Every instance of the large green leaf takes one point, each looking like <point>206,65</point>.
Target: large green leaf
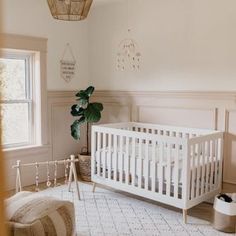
<point>75,128</point>
<point>81,94</point>
<point>83,97</point>
<point>89,90</point>
<point>93,112</point>
<point>98,106</point>
<point>76,110</point>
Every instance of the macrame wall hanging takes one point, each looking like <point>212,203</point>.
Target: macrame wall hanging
<point>67,64</point>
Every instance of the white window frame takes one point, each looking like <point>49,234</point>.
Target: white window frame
<point>29,59</point>
<point>37,49</point>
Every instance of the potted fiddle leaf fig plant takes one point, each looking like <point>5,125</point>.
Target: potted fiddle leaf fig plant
<point>86,113</point>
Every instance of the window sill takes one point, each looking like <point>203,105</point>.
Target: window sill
<point>24,152</point>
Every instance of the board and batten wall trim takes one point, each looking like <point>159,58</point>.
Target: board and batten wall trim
<point>203,109</point>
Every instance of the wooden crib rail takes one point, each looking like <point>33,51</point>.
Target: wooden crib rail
<point>72,171</point>
<point>134,126</point>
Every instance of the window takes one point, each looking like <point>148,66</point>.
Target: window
<point>23,100</point>
<point>17,106</point>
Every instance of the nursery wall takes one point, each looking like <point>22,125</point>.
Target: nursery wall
<point>185,44</point>
<point>188,55</point>
<point>33,18</point>
<point>208,110</point>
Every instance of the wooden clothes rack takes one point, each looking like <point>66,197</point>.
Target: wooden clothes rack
<point>72,172</point>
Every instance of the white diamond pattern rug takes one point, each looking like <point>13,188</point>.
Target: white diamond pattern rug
<point>109,213</point>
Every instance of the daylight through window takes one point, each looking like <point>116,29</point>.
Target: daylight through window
<point>16,99</point>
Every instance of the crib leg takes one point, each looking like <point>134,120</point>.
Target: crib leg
<point>185,212</point>
<point>94,186</point>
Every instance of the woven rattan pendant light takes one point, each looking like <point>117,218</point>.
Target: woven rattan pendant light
<point>69,10</point>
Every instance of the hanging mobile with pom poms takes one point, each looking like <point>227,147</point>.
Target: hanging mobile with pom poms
<point>128,54</point>
<point>55,174</point>
<point>36,177</point>
<point>66,164</point>
<point>49,183</point>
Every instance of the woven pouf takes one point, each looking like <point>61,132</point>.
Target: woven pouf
<point>33,214</point>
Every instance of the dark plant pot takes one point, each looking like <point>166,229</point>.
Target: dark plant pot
<point>84,166</point>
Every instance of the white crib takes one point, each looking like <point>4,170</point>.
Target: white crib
<point>177,166</point>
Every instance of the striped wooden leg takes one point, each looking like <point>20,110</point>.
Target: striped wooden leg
<point>185,212</point>
<point>94,186</point>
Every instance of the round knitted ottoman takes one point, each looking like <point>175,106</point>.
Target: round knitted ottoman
<point>33,214</point>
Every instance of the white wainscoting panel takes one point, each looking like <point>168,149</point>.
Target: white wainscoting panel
<point>63,145</point>
<point>230,147</point>
<point>182,108</point>
<point>178,116</point>
<point>115,112</point>
<point>26,155</point>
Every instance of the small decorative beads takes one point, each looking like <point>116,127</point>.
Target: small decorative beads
<point>36,177</point>
<point>66,164</point>
<point>48,176</point>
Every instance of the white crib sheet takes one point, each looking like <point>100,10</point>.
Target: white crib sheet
<point>121,160</point>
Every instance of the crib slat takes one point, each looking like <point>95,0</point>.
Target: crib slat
<point>153,161</point>
<point>121,160</point>
<point>93,152</point>
<point>104,155</point>
<point>203,168</point>
<point>168,174</point>
<point>207,167</point>
<point>99,155</point>
<point>176,171</point>
<point>140,161</point>
<point>220,156</point>
<point>146,164</point>
<point>115,157</point>
<point>133,161</point>
<point>109,159</point>
<point>198,170</point>
<point>216,164</point>
<point>193,168</point>
<point>160,168</point>
<point>212,145</point>
<point>127,159</point>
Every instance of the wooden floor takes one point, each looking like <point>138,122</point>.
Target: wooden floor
<point>202,211</point>
<point>205,210</point>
